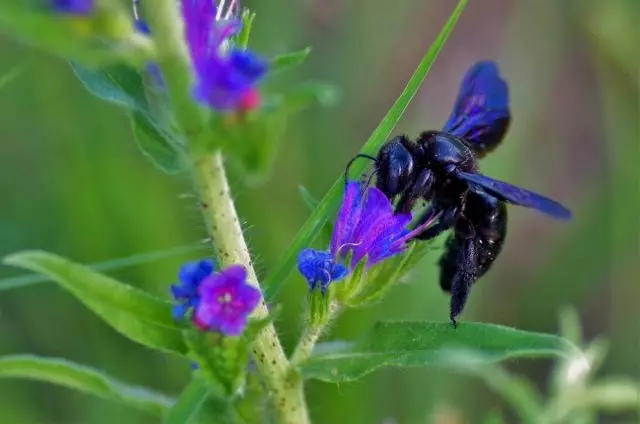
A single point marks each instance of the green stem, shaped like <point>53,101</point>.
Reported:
<point>163,16</point>
<point>173,58</point>
<point>285,388</point>
<point>311,334</point>
<point>307,341</point>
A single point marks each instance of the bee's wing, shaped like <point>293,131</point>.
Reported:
<point>481,115</point>
<point>517,195</point>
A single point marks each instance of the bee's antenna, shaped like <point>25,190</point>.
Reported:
<point>358,156</point>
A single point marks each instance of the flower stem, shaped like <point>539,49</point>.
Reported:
<point>285,388</point>
<point>172,56</point>
<point>310,336</point>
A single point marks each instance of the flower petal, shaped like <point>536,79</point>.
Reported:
<point>348,217</point>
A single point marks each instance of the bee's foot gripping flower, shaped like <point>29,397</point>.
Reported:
<point>73,7</point>
<point>215,301</point>
<point>367,227</point>
<point>226,76</point>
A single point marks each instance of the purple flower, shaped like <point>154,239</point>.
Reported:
<point>73,7</point>
<point>186,291</point>
<point>225,75</point>
<point>226,300</point>
<point>366,226</point>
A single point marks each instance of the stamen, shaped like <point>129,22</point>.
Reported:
<point>219,9</point>
<point>136,4</point>
<point>234,8</point>
<point>418,229</point>
<point>345,245</point>
<point>226,298</point>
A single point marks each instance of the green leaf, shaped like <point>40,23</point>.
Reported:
<point>159,146</point>
<point>84,379</point>
<point>189,403</point>
<point>125,87</point>
<point>414,343</point>
<point>109,265</point>
<point>331,200</point>
<point>132,312</point>
<point>289,60</point>
<point>119,84</point>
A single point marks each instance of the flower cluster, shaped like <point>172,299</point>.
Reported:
<point>367,227</point>
<point>73,7</point>
<point>226,76</point>
<point>219,301</point>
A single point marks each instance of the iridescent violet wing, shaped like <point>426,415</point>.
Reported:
<point>517,195</point>
<point>481,113</point>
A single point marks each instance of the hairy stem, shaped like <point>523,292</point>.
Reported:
<point>163,17</point>
<point>307,341</point>
<point>285,388</point>
<point>310,336</point>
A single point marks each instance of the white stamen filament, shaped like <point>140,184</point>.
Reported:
<point>219,9</point>
<point>232,9</point>
<point>136,4</point>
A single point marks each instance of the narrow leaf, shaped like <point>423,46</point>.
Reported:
<point>289,60</point>
<point>130,311</point>
<point>109,265</point>
<point>412,344</point>
<point>159,146</point>
<point>189,403</point>
<point>331,200</point>
<point>84,379</point>
<point>115,84</point>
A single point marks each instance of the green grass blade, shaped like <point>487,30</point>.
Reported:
<point>331,200</point>
<point>189,403</point>
<point>84,379</point>
<point>109,265</point>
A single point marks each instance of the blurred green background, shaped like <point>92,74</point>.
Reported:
<point>72,182</point>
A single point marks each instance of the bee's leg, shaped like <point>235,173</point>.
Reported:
<point>422,187</point>
<point>466,275</point>
<point>444,223</point>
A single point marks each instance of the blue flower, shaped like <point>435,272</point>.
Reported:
<point>226,301</point>
<point>319,267</point>
<point>225,75</point>
<point>185,293</point>
<point>73,7</point>
<point>367,227</point>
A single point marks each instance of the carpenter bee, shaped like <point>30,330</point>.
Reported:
<point>441,168</point>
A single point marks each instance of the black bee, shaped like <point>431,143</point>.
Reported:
<point>441,168</point>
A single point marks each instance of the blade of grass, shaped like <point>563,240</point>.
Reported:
<point>110,265</point>
<point>188,404</point>
<point>12,74</point>
<point>328,205</point>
